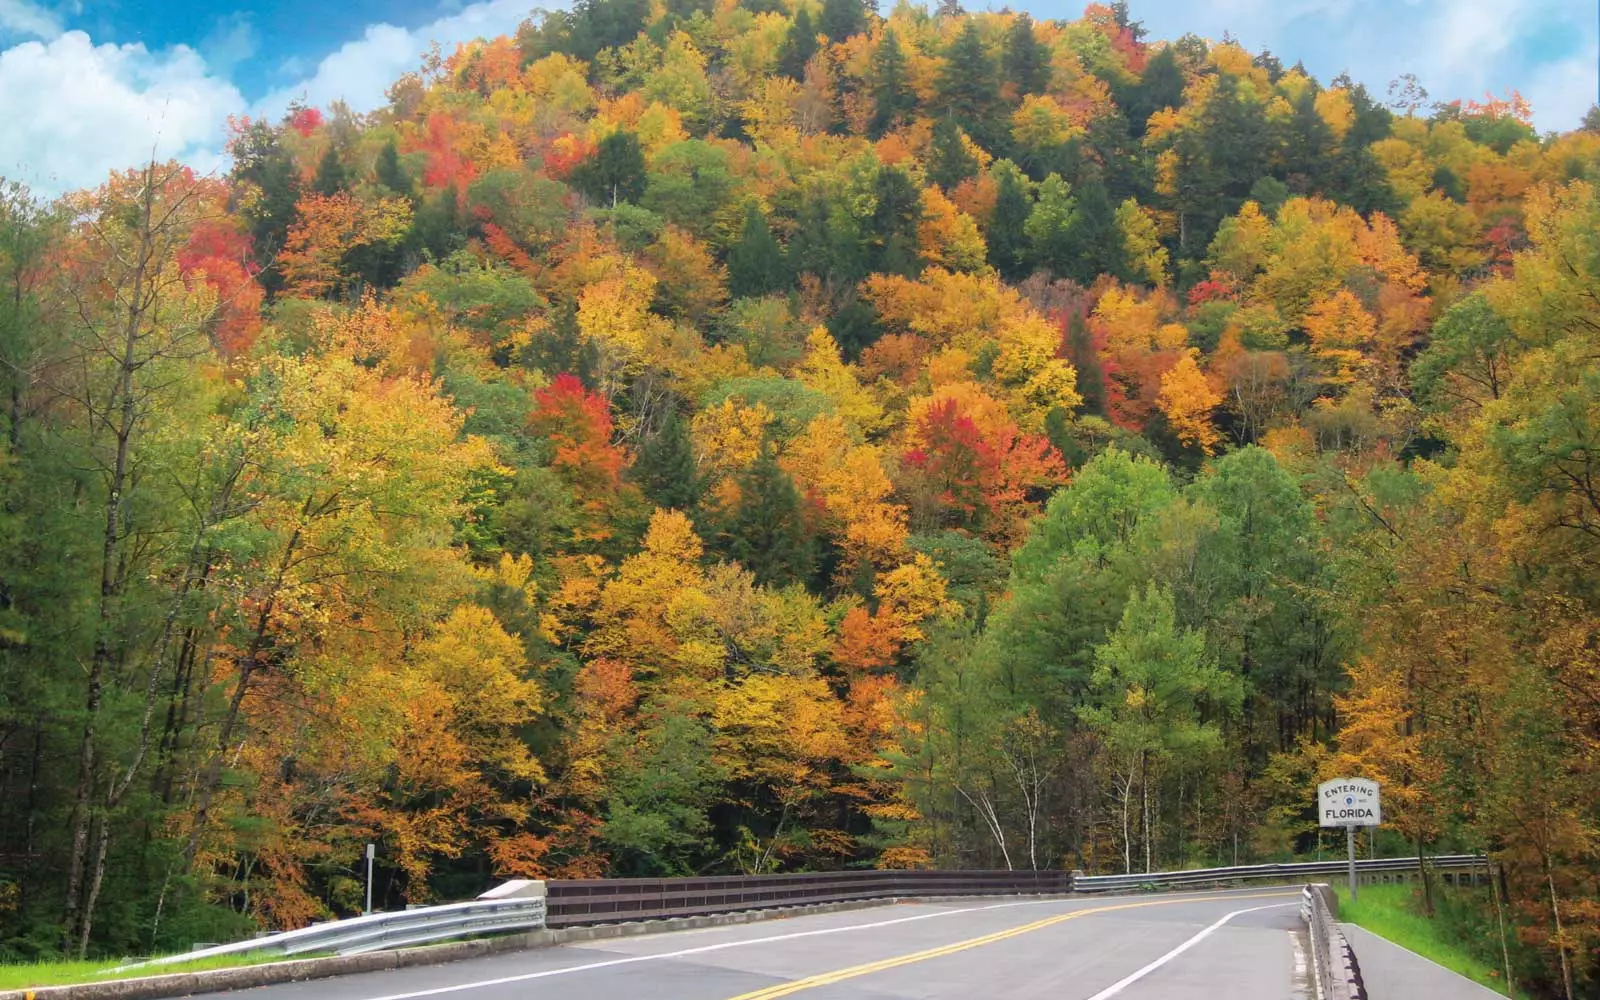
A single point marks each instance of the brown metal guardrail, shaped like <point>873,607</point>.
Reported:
<point>607,900</point>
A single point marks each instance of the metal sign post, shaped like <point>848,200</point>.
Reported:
<point>1349,802</point>
<point>372,851</point>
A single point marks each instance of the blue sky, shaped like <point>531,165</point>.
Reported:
<point>90,85</point>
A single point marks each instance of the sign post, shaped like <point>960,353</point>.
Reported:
<point>1349,802</point>
<point>372,851</point>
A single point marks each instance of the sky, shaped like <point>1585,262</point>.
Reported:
<point>88,86</point>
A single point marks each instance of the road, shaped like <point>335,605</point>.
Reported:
<point>1215,945</point>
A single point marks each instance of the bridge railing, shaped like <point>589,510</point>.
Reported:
<point>1299,871</point>
<point>572,902</point>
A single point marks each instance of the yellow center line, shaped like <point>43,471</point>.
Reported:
<point>839,975</point>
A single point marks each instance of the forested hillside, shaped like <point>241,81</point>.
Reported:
<point>758,436</point>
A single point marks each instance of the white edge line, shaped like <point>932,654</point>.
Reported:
<point>1134,977</point>
<point>744,942</point>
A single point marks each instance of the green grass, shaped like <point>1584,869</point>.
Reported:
<point>1394,912</point>
<point>65,973</point>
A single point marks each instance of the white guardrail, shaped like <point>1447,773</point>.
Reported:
<point>428,924</point>
<point>1288,872</point>
<point>378,931</point>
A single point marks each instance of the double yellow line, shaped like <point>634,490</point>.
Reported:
<point>840,975</point>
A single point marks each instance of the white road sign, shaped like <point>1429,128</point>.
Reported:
<point>1349,802</point>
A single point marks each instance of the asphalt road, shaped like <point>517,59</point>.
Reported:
<point>1216,945</point>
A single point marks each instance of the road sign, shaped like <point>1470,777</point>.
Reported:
<point>1349,802</point>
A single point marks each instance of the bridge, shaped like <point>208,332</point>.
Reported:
<point>1247,943</point>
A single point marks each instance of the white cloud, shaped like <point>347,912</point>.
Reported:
<point>1458,48</point>
<point>361,71</point>
<point>23,17</point>
<point>72,111</point>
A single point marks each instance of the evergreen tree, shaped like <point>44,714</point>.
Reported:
<point>1052,229</point>
<point>1096,242</point>
<point>616,171</point>
<point>842,18</point>
<point>968,90</point>
<point>666,470</point>
<point>605,24</point>
<point>1007,236</point>
<point>389,171</point>
<point>330,179</point>
<point>950,162</point>
<point>756,264</point>
<point>260,158</point>
<point>892,99</point>
<point>1024,61</point>
<point>894,223</point>
<point>827,242</point>
<point>1308,147</point>
<point>765,532</point>
<point>799,45</point>
<point>1160,86</point>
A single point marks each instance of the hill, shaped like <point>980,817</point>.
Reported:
<point>742,437</point>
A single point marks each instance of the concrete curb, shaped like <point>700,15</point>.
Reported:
<point>180,984</point>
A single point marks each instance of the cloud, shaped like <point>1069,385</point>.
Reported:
<point>361,71</point>
<point>23,17</point>
<point>73,111</point>
<point>1457,48</point>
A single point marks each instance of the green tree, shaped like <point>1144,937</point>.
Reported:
<point>1156,701</point>
<point>331,177</point>
<point>1007,235</point>
<point>756,264</point>
<point>766,532</point>
<point>1052,228</point>
<point>666,470</point>
<point>892,98</point>
<point>894,223</point>
<point>1024,62</point>
<point>389,171</point>
<point>799,45</point>
<point>616,171</point>
<point>842,18</point>
<point>949,161</point>
<point>969,92</point>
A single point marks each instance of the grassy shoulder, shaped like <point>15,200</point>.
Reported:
<point>1394,912</point>
<point>66,973</point>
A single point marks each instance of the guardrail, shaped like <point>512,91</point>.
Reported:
<point>376,931</point>
<point>612,900</point>
<point>607,900</point>
<point>1333,962</point>
<point>1288,872</point>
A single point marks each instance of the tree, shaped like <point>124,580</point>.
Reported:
<point>616,172</point>
<point>969,93</point>
<point>950,161</point>
<point>799,45</point>
<point>766,532</point>
<point>841,19</point>
<point>894,223</point>
<point>389,171</point>
<point>1024,62</point>
<point>331,178</point>
<point>756,264</point>
<point>1007,234</point>
<point>1155,701</point>
<point>666,469</point>
<point>892,98</point>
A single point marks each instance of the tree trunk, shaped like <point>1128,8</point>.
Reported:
<point>1561,934</point>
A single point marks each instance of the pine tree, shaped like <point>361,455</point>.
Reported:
<point>950,162</point>
<point>968,90</point>
<point>894,223</point>
<point>842,18</point>
<point>799,45</point>
<point>1024,61</point>
<point>756,264</point>
<point>766,533</point>
<point>1308,147</point>
<point>892,99</point>
<point>665,470</point>
<point>616,171</point>
<point>1007,237</point>
<point>1160,86</point>
<point>330,179</point>
<point>389,171</point>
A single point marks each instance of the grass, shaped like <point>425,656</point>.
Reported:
<point>1394,912</point>
<point>66,973</point>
